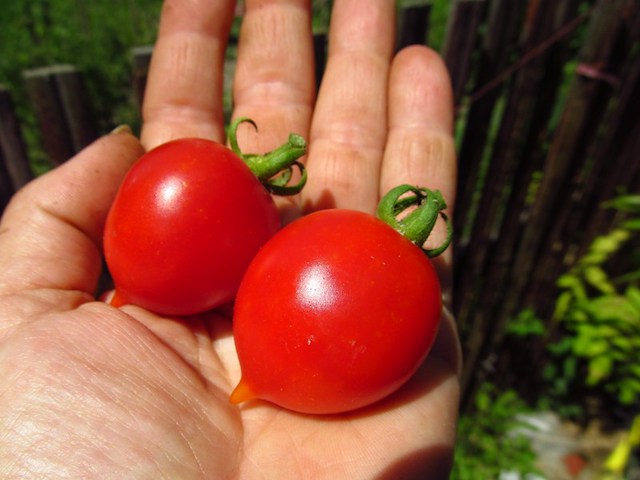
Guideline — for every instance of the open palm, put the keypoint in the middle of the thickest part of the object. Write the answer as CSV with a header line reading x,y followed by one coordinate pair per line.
x,y
90,391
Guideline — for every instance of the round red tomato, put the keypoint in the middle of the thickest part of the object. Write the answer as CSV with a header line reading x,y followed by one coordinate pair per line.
x,y
187,220
336,311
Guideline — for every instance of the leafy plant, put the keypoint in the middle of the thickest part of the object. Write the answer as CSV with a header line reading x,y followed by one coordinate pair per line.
x,y
526,324
486,442
600,317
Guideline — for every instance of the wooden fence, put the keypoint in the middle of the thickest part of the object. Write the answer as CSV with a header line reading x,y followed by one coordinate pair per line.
x,y
561,142
548,98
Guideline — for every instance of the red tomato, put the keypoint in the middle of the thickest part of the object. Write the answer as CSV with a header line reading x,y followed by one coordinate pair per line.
x,y
336,311
187,220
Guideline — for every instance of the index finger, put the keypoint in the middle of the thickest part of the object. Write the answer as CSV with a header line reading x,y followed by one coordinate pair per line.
x,y
183,96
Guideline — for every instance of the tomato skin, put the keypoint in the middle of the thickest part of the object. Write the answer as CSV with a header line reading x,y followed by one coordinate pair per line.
x,y
185,224
336,312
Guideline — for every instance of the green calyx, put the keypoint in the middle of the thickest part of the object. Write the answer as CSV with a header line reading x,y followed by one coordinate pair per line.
x,y
274,169
427,206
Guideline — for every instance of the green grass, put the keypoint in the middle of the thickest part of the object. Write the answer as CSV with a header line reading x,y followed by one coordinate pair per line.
x,y
95,36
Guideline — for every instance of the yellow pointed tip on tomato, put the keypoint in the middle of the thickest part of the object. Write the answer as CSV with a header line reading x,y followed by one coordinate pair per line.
x,y
242,393
117,300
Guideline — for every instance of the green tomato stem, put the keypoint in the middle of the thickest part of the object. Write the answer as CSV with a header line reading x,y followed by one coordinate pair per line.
x,y
274,169
417,224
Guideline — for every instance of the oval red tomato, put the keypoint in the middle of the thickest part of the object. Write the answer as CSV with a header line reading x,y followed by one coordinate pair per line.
x,y
336,311
187,220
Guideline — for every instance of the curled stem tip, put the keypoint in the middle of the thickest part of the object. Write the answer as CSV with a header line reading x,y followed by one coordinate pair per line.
x,y
418,224
275,168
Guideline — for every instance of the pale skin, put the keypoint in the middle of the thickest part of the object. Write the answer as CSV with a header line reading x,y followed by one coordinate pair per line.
x,y
92,391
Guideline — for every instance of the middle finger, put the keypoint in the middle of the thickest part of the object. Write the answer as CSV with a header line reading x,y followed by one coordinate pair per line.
x,y
350,120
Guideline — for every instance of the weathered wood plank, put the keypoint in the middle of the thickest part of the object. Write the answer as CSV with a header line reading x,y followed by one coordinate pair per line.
x,y
76,107
494,54
460,41
320,55
60,101
140,61
6,189
413,23
494,59
12,147
510,173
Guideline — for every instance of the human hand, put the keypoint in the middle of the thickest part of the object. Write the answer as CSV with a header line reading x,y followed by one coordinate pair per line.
x,y
90,390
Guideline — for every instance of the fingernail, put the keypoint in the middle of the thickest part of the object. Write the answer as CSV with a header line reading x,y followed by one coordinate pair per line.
x,y
124,128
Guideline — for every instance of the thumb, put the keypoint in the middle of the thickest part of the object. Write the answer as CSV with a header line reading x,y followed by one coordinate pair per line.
x,y
51,231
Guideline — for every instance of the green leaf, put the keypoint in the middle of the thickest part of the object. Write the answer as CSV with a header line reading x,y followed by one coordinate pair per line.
x,y
604,246
595,257
619,356
613,309
600,368
587,331
573,283
563,303
628,391
570,367
623,343
632,224
634,369
483,401
589,347
576,315
598,278
525,324
608,331
563,346
633,296
625,203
